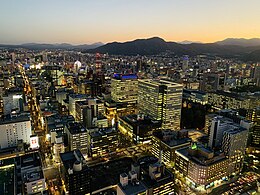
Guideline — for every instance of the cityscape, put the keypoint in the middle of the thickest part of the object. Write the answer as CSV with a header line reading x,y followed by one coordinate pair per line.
x,y
129,97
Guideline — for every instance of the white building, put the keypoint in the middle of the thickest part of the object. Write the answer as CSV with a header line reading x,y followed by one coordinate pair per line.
x,y
14,129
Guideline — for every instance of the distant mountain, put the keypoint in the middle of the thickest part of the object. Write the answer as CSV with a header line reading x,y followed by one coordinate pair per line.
x,y
240,42
42,46
156,45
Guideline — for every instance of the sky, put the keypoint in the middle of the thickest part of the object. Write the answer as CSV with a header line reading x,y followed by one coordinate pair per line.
x,y
89,21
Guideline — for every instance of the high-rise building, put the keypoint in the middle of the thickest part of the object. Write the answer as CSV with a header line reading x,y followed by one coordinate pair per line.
x,y
234,147
73,98
221,124
161,100
77,137
14,129
166,142
75,173
102,141
124,88
210,82
254,135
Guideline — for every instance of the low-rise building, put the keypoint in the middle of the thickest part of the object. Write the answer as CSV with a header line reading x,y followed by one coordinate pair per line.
x,y
29,174
138,128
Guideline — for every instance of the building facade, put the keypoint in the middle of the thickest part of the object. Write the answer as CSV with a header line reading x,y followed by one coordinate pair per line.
x,y
161,100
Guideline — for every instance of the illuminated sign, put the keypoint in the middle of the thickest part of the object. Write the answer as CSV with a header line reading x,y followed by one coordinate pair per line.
x,y
34,142
17,96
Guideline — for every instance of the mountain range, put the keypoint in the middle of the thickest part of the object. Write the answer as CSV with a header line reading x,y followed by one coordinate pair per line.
x,y
243,49
235,48
42,46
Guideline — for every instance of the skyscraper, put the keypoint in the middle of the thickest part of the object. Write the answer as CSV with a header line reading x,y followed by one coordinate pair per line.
x,y
234,147
161,100
124,88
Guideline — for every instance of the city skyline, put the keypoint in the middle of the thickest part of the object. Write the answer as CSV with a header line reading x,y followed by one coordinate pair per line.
x,y
102,21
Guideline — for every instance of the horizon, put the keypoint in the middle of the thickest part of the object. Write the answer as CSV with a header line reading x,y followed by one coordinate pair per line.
x,y
86,22
99,42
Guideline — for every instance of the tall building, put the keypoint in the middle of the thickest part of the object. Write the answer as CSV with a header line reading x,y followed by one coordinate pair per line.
x,y
254,135
14,129
210,82
161,100
77,137
124,88
234,147
102,141
73,98
75,173
166,142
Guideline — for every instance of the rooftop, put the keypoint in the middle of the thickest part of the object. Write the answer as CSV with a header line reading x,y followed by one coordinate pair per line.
x,y
136,120
102,132
15,119
75,128
132,188
172,138
125,76
69,158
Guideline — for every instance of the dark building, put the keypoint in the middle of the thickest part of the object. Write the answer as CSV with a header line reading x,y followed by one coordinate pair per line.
x,y
102,141
138,128
75,173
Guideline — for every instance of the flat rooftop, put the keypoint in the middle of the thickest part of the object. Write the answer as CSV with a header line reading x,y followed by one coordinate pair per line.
x,y
19,118
75,128
171,138
68,158
131,189
134,121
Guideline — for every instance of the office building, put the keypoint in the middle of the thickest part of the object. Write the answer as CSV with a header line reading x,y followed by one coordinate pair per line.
x,y
56,123
234,147
102,141
29,174
166,142
254,134
155,176
75,173
138,128
88,111
124,88
77,137
202,167
161,100
13,129
73,98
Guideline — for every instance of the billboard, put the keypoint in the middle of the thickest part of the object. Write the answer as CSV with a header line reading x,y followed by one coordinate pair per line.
x,y
34,142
